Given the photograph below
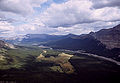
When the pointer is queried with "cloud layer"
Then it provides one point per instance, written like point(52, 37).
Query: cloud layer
point(68, 13)
point(78, 12)
point(105, 3)
point(57, 17)
point(22, 7)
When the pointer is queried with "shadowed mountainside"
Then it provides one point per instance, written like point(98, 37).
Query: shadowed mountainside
point(105, 42)
point(109, 37)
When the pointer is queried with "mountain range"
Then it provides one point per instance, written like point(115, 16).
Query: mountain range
point(105, 42)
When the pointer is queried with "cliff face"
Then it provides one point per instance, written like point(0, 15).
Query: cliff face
point(109, 37)
point(2, 44)
point(6, 45)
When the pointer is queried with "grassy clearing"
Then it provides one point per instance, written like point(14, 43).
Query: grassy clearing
point(62, 60)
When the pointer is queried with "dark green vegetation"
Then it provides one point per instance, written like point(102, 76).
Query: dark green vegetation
point(35, 65)
point(15, 57)
point(94, 70)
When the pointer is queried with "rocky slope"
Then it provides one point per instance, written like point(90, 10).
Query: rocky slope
point(6, 45)
point(109, 37)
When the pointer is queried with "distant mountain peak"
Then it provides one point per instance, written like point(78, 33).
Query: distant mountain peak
point(71, 35)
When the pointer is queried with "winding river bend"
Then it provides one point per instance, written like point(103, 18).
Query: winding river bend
point(97, 56)
point(82, 52)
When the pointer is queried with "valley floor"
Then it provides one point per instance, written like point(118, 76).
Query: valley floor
point(36, 65)
point(97, 56)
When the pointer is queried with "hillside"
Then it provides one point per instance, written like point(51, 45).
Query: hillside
point(109, 37)
point(31, 64)
point(105, 42)
point(35, 65)
point(6, 45)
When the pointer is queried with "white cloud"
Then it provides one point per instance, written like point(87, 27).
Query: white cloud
point(34, 26)
point(72, 16)
point(37, 3)
point(107, 14)
point(23, 7)
point(85, 28)
point(5, 26)
point(6, 29)
point(16, 6)
point(75, 12)
point(76, 29)
point(68, 13)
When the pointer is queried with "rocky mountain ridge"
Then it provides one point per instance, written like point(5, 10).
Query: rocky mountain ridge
point(109, 37)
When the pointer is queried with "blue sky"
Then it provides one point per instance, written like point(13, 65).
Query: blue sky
point(57, 17)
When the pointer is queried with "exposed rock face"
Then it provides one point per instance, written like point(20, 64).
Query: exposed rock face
point(109, 37)
point(65, 55)
point(41, 56)
point(10, 46)
point(2, 57)
point(4, 45)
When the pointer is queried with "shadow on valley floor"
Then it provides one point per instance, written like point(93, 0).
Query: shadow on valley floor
point(20, 76)
point(88, 70)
